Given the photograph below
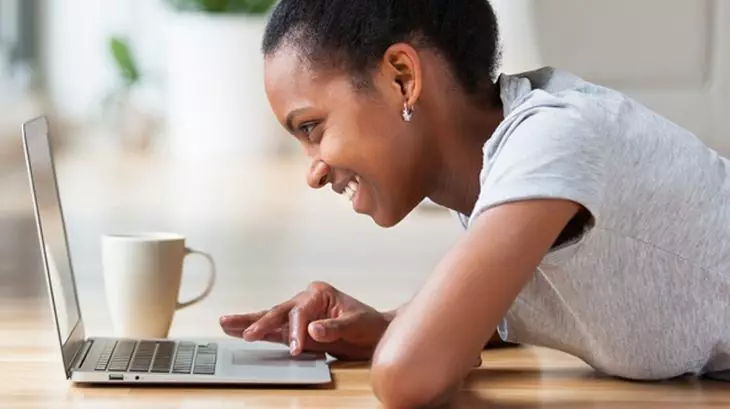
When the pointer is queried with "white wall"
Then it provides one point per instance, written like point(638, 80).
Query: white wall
point(76, 60)
point(673, 55)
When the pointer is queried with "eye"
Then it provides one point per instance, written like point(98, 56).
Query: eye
point(307, 128)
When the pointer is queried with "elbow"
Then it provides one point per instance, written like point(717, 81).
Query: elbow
point(400, 386)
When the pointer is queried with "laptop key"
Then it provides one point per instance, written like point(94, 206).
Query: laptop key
point(143, 356)
point(105, 349)
point(163, 357)
point(205, 360)
point(121, 356)
point(184, 358)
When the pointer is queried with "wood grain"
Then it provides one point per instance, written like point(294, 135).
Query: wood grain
point(267, 246)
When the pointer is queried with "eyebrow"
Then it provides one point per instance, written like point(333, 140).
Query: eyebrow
point(291, 116)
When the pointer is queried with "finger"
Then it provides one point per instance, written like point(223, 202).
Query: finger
point(338, 349)
point(342, 350)
point(233, 333)
point(273, 319)
point(235, 324)
point(330, 330)
point(299, 316)
point(278, 336)
point(282, 336)
point(478, 362)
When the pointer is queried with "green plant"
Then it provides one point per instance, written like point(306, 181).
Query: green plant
point(124, 60)
point(223, 6)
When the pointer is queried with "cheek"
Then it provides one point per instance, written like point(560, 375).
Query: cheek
point(380, 147)
point(390, 156)
point(336, 147)
point(403, 172)
point(360, 142)
point(376, 144)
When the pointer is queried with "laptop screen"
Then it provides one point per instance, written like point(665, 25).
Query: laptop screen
point(53, 231)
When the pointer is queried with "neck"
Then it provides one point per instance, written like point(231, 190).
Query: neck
point(461, 135)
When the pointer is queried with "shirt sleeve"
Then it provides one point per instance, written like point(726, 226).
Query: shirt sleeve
point(544, 152)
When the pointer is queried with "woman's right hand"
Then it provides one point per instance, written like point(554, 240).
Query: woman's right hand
point(321, 318)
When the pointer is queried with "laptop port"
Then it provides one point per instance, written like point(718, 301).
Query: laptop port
point(116, 377)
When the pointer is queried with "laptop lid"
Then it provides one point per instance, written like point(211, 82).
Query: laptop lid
point(53, 239)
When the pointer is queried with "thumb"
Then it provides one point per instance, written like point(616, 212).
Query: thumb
point(331, 329)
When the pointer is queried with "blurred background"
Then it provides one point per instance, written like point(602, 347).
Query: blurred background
point(160, 122)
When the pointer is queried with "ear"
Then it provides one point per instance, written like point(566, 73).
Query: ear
point(402, 67)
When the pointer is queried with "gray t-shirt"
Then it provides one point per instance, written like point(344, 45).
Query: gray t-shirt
point(644, 292)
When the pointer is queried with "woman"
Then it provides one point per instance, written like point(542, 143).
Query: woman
point(593, 225)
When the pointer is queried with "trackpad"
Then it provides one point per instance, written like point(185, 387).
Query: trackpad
point(249, 357)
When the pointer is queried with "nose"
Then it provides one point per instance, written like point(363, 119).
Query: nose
point(318, 174)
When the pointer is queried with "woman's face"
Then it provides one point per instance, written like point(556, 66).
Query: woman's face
point(357, 140)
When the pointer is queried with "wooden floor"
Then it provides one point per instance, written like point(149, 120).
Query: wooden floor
point(270, 236)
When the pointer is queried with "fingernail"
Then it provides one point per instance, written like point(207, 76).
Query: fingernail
point(318, 330)
point(293, 346)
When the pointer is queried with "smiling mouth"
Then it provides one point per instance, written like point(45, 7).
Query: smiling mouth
point(351, 189)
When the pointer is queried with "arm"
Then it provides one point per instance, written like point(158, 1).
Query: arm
point(390, 315)
point(428, 349)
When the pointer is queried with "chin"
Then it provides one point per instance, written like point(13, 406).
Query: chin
point(388, 219)
point(385, 223)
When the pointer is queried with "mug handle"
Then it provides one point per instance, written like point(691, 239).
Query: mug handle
point(211, 279)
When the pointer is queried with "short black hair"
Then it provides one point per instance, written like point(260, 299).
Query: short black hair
point(354, 34)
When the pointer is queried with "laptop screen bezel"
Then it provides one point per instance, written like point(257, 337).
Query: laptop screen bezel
point(70, 347)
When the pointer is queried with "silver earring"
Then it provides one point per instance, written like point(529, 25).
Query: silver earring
point(407, 112)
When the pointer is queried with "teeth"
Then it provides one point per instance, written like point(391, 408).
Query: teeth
point(351, 189)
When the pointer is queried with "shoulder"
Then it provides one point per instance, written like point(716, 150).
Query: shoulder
point(547, 146)
point(550, 110)
point(549, 116)
point(553, 91)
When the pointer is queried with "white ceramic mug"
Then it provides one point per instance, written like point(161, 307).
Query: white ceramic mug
point(142, 275)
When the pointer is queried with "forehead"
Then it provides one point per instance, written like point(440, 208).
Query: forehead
point(292, 83)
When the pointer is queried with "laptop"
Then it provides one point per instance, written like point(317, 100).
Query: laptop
point(108, 360)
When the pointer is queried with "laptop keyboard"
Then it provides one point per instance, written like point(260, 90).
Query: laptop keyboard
point(177, 357)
